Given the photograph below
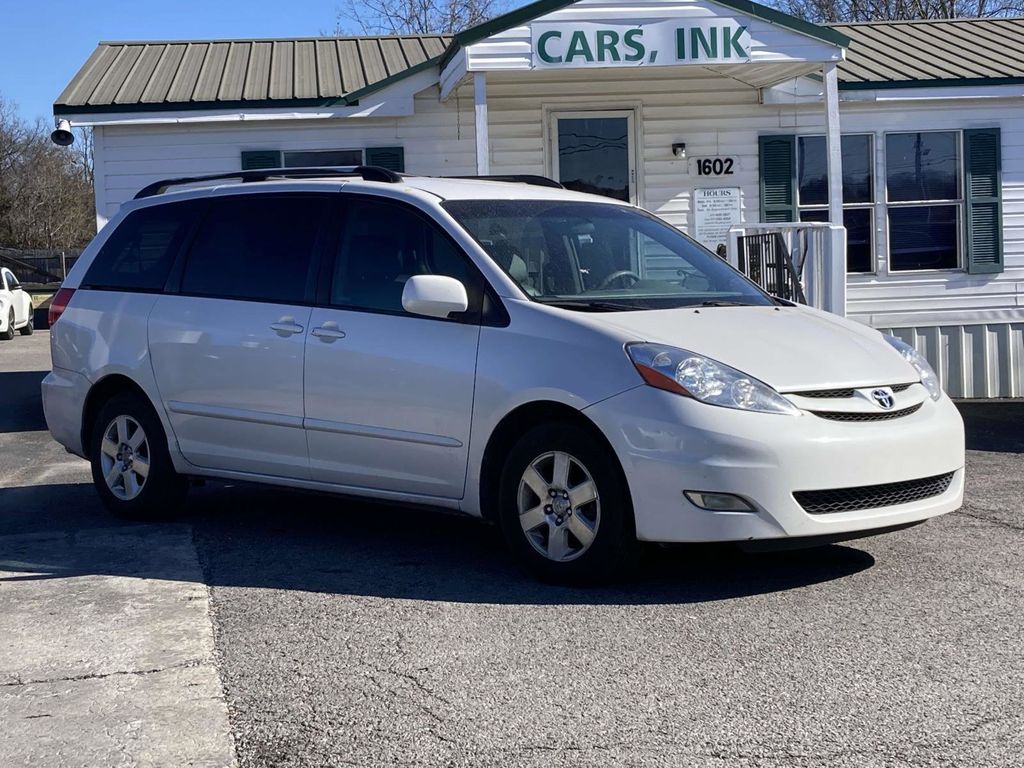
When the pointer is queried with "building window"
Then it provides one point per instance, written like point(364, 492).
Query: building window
point(322, 158)
point(924, 200)
point(858, 193)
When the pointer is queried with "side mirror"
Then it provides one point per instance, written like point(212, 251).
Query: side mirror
point(434, 296)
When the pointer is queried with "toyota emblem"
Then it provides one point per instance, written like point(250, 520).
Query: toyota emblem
point(884, 398)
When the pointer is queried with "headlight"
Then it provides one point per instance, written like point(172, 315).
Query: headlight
point(916, 359)
point(704, 379)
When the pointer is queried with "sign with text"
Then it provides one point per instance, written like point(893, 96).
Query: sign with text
point(715, 166)
point(568, 45)
point(715, 211)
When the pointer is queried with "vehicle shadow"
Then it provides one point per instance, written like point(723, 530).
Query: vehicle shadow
point(22, 407)
point(994, 426)
point(269, 538)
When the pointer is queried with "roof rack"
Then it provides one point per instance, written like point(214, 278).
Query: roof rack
point(365, 172)
point(517, 178)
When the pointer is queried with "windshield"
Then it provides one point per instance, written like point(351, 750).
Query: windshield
point(601, 257)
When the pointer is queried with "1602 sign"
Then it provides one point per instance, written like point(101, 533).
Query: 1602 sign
point(715, 166)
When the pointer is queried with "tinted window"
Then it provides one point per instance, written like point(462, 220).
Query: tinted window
point(140, 252)
point(382, 245)
point(254, 247)
point(12, 281)
point(924, 237)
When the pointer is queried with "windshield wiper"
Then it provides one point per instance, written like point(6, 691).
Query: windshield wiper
point(723, 303)
point(595, 306)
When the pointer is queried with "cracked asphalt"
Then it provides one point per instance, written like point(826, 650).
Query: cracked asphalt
point(353, 634)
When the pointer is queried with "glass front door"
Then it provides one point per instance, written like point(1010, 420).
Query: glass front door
point(593, 152)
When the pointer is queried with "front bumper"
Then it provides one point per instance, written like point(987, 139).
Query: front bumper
point(668, 444)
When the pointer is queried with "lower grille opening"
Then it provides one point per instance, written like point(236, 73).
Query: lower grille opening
point(834, 500)
point(858, 416)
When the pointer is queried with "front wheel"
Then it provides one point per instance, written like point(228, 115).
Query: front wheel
point(131, 466)
point(9, 333)
point(565, 509)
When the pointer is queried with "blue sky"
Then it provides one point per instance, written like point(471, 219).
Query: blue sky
point(44, 42)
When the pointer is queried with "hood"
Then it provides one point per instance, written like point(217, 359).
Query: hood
point(789, 348)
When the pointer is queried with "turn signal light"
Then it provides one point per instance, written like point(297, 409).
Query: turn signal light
point(59, 304)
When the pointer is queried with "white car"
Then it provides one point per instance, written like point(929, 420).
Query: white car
point(567, 366)
point(15, 307)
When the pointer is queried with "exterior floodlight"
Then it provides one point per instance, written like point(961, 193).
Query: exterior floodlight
point(679, 150)
point(62, 135)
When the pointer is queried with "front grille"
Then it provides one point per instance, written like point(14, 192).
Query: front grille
point(879, 416)
point(849, 392)
point(834, 500)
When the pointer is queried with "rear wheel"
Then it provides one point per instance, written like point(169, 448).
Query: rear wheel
point(9, 333)
point(565, 509)
point(30, 326)
point(131, 466)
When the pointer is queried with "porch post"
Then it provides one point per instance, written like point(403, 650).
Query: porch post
point(834, 261)
point(483, 157)
point(834, 144)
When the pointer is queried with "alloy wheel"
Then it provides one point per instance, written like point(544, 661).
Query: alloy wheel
point(125, 457)
point(559, 506)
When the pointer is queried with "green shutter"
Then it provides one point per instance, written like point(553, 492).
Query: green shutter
point(253, 159)
point(778, 178)
point(983, 190)
point(392, 158)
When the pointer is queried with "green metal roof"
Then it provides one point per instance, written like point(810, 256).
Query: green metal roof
point(227, 74)
point(905, 54)
point(237, 74)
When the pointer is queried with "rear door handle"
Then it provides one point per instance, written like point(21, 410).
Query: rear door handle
point(286, 326)
point(328, 334)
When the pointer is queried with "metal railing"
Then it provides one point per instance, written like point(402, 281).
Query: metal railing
point(798, 261)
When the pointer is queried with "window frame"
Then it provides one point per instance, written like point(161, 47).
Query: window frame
point(959, 204)
point(489, 309)
point(870, 205)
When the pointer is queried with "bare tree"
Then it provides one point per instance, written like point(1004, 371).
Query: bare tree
point(414, 17)
point(832, 11)
point(46, 191)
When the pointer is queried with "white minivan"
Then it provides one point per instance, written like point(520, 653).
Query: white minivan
point(567, 366)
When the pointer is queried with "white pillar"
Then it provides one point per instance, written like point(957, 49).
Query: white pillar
point(834, 144)
point(483, 157)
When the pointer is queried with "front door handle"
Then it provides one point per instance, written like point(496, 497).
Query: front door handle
point(286, 326)
point(329, 332)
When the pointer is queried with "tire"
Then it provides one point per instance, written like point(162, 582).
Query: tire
point(157, 493)
point(9, 333)
point(556, 548)
point(30, 326)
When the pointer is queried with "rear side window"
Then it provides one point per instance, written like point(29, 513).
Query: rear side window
point(139, 254)
point(256, 247)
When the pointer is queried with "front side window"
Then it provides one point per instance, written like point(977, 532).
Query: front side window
point(138, 255)
point(600, 256)
point(11, 280)
point(923, 191)
point(256, 247)
point(382, 245)
point(858, 193)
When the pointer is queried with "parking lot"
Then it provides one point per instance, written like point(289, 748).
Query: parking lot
point(279, 628)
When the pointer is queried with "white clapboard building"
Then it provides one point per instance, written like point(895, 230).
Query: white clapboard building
point(719, 115)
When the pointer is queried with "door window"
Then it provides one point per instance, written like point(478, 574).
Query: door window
point(594, 155)
point(12, 281)
point(381, 246)
point(255, 247)
point(139, 254)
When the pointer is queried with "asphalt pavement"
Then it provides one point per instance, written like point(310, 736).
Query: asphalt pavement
point(346, 633)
